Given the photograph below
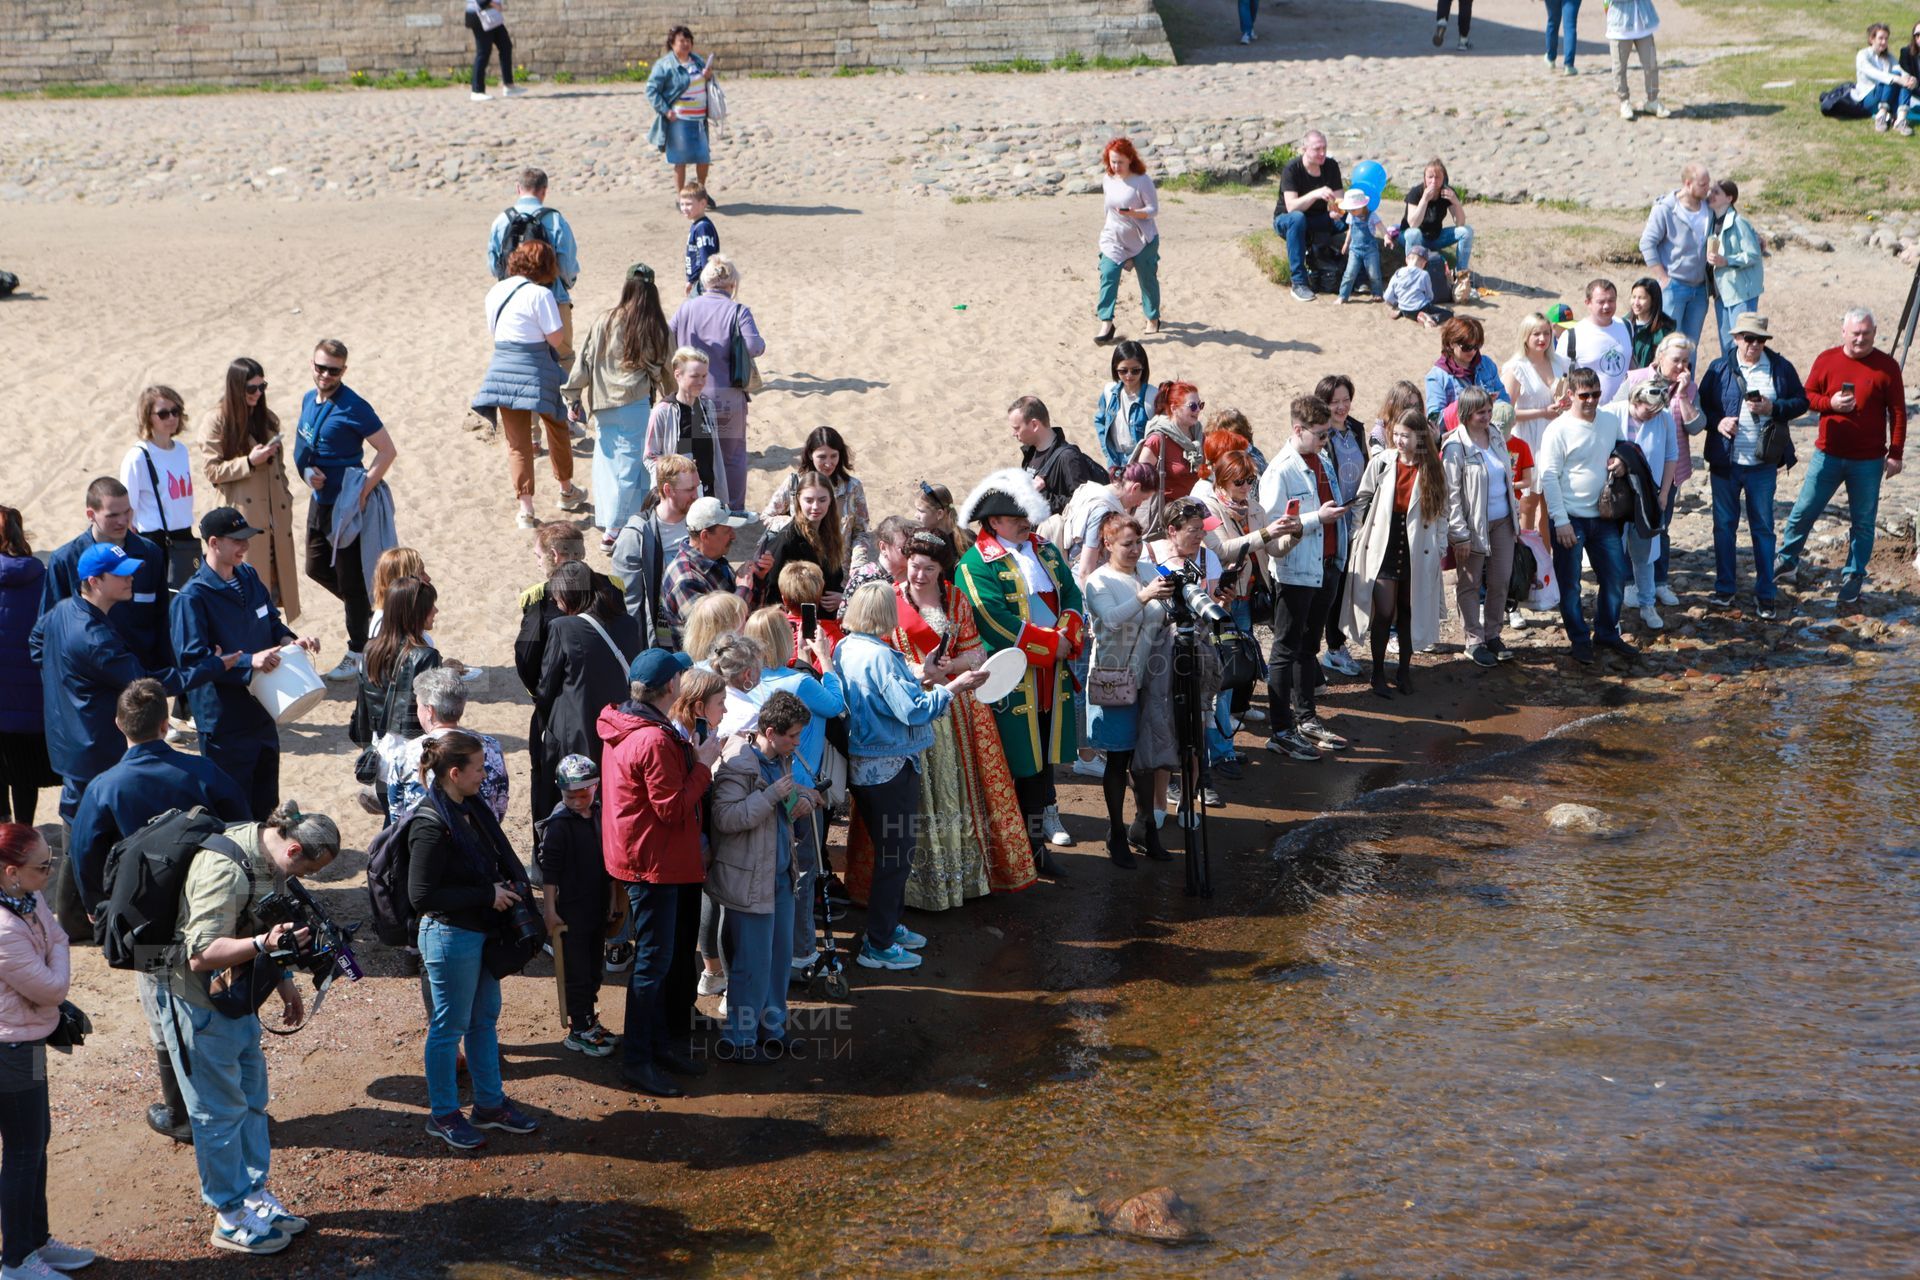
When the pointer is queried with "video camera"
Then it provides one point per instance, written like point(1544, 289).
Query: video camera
point(1191, 602)
point(328, 946)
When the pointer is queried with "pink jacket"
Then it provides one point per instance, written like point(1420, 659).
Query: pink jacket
point(33, 973)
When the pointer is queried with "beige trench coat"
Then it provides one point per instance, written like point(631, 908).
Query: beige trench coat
point(1372, 522)
point(261, 495)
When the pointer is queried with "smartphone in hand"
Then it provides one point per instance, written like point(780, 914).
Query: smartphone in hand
point(1293, 507)
point(701, 732)
point(939, 652)
point(809, 620)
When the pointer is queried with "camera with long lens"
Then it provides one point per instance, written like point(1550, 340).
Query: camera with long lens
point(1192, 603)
point(328, 946)
point(521, 923)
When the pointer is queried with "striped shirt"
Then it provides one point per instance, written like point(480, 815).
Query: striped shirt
point(692, 105)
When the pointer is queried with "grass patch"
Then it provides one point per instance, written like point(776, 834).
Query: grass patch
point(1073, 60)
point(1806, 163)
point(418, 78)
point(848, 73)
point(1013, 66)
point(1206, 184)
point(1269, 256)
point(1274, 159)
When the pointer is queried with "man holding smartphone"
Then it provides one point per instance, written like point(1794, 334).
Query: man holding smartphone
point(1748, 399)
point(1307, 547)
point(1862, 402)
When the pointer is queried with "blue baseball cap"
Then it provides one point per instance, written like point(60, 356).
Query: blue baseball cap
point(104, 560)
point(656, 667)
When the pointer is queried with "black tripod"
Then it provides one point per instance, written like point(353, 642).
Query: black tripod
point(1909, 321)
point(1191, 712)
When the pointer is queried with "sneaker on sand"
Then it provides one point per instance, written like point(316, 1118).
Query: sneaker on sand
point(454, 1130)
point(513, 91)
point(267, 1207)
point(1301, 292)
point(1439, 32)
point(712, 984)
point(1626, 110)
point(1664, 594)
point(506, 1117)
point(905, 937)
point(30, 1268)
point(248, 1235)
point(1659, 110)
point(62, 1256)
point(596, 1041)
point(574, 498)
point(478, 97)
point(348, 669)
point(1293, 746)
point(1050, 823)
point(1094, 768)
point(1651, 616)
point(894, 957)
point(1317, 733)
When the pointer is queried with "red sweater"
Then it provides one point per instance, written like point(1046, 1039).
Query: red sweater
point(1877, 427)
point(651, 789)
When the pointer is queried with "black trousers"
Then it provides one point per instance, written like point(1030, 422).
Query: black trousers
point(26, 1123)
point(253, 765)
point(24, 769)
point(345, 580)
point(583, 948)
point(891, 812)
point(1336, 634)
point(484, 43)
point(1293, 665)
point(1442, 7)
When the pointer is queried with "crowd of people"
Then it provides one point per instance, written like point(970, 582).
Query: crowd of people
point(705, 710)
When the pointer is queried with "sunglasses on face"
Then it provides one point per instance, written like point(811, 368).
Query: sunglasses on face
point(166, 411)
point(1586, 395)
point(1750, 337)
point(1466, 346)
point(1130, 370)
point(255, 388)
point(1196, 406)
point(328, 370)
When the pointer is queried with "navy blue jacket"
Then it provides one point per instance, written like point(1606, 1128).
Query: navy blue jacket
point(84, 665)
point(141, 621)
point(1721, 391)
point(20, 709)
point(237, 617)
point(150, 779)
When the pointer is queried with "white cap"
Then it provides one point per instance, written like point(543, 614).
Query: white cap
point(704, 514)
point(1355, 199)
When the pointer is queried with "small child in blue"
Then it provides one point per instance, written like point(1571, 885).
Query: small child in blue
point(1364, 233)
point(1409, 294)
point(702, 240)
point(578, 893)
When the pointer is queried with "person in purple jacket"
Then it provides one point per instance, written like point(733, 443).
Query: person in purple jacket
point(706, 323)
point(23, 733)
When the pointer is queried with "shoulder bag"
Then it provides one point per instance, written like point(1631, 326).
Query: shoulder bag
point(366, 765)
point(618, 657)
point(745, 374)
point(1115, 686)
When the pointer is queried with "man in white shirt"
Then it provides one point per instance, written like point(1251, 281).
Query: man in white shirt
point(1576, 458)
point(1600, 342)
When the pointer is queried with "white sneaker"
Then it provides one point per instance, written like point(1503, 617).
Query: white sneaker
point(1659, 109)
point(1246, 39)
point(1652, 618)
point(712, 984)
point(1050, 823)
point(1256, 716)
point(1094, 768)
point(1626, 111)
point(1664, 594)
point(349, 668)
point(31, 1269)
point(1516, 620)
point(478, 97)
point(62, 1256)
point(1630, 598)
point(512, 91)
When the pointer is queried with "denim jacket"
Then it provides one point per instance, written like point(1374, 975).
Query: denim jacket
point(1137, 417)
point(1298, 562)
point(889, 714)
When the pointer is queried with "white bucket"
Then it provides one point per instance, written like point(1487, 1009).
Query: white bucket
point(290, 689)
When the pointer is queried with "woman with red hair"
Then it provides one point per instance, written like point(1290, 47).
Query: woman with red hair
point(1171, 446)
point(1129, 240)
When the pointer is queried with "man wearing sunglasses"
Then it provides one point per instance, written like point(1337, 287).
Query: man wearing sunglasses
point(1576, 459)
point(335, 427)
point(1748, 399)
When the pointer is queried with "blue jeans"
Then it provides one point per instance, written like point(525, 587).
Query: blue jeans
point(1896, 98)
point(1687, 304)
point(226, 1096)
point(1249, 11)
point(760, 947)
point(1462, 236)
point(654, 910)
point(1363, 258)
point(1664, 560)
point(1724, 314)
point(1292, 227)
point(1562, 17)
point(1220, 731)
point(1825, 475)
point(1600, 539)
point(1756, 483)
point(1146, 265)
point(466, 1006)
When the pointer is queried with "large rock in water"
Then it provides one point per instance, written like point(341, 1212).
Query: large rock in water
point(1157, 1214)
point(1581, 819)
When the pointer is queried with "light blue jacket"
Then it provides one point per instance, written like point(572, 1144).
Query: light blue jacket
point(560, 235)
point(888, 713)
point(1103, 416)
point(1289, 478)
point(666, 84)
point(1742, 279)
point(1631, 15)
point(1443, 388)
point(821, 695)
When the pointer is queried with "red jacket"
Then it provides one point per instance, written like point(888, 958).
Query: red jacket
point(651, 789)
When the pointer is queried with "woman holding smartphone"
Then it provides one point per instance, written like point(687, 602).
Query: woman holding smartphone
point(242, 456)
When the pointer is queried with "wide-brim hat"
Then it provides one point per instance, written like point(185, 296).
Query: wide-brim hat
point(1753, 324)
point(1008, 492)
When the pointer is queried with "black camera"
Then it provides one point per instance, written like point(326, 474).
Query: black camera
point(1191, 601)
point(328, 946)
point(521, 922)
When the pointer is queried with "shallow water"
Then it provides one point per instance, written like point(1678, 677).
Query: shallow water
point(1445, 1042)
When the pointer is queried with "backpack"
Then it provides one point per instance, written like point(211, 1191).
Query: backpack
point(144, 876)
point(1520, 581)
point(387, 861)
point(1838, 103)
point(523, 226)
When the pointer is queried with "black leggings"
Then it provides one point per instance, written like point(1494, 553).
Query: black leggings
point(1391, 604)
point(23, 771)
point(485, 42)
point(1444, 7)
point(1114, 783)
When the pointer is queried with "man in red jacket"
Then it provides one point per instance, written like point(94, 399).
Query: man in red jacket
point(653, 783)
point(1862, 403)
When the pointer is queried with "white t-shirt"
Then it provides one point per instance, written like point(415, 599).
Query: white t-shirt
point(527, 311)
point(1608, 352)
point(1498, 463)
point(174, 467)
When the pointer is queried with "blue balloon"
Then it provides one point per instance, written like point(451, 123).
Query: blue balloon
point(1370, 176)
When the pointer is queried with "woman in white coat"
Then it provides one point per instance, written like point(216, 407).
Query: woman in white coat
point(1399, 531)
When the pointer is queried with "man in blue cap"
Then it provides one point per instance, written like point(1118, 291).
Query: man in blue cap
point(142, 618)
point(226, 607)
point(150, 779)
point(84, 664)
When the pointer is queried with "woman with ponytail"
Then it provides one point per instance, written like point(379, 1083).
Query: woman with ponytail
point(618, 372)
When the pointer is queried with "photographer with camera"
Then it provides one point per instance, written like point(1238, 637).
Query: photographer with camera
point(464, 882)
point(1130, 711)
point(227, 961)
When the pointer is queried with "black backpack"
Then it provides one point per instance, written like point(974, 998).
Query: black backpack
point(144, 876)
point(523, 226)
point(1520, 581)
point(391, 908)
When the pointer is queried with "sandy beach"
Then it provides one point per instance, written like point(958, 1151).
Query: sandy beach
point(903, 317)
